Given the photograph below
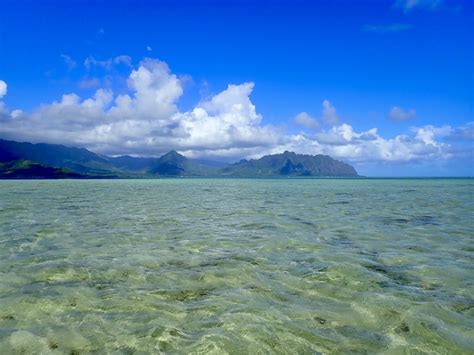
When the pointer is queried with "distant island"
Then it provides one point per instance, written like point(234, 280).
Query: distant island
point(52, 161)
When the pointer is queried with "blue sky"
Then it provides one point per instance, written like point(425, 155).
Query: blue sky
point(397, 66)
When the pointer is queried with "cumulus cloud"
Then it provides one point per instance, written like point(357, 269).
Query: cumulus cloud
point(305, 120)
point(464, 133)
point(408, 5)
point(155, 92)
point(398, 114)
point(226, 121)
point(146, 121)
point(3, 88)
point(329, 117)
point(148, 48)
point(368, 146)
point(385, 29)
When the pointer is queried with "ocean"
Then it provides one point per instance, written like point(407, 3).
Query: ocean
point(215, 266)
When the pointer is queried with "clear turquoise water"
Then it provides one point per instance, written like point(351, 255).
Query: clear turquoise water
point(237, 266)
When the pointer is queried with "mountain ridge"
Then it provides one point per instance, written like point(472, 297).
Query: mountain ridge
point(291, 164)
point(82, 163)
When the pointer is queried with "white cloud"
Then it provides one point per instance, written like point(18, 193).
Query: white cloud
point(368, 146)
point(3, 88)
point(90, 62)
point(155, 92)
point(329, 117)
point(464, 132)
point(329, 113)
point(107, 64)
point(123, 59)
point(146, 121)
point(148, 48)
point(305, 120)
point(71, 63)
point(408, 5)
point(16, 113)
point(227, 121)
point(88, 83)
point(398, 114)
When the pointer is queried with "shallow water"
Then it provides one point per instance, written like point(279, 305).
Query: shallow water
point(237, 266)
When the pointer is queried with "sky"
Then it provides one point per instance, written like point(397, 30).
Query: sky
point(387, 86)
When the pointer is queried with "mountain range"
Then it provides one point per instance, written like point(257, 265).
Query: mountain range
point(27, 160)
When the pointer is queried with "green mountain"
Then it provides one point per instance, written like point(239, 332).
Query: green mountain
point(175, 164)
point(290, 164)
point(26, 160)
point(25, 169)
point(79, 160)
point(133, 164)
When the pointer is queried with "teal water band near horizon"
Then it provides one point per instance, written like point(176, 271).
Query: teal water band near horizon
point(237, 266)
